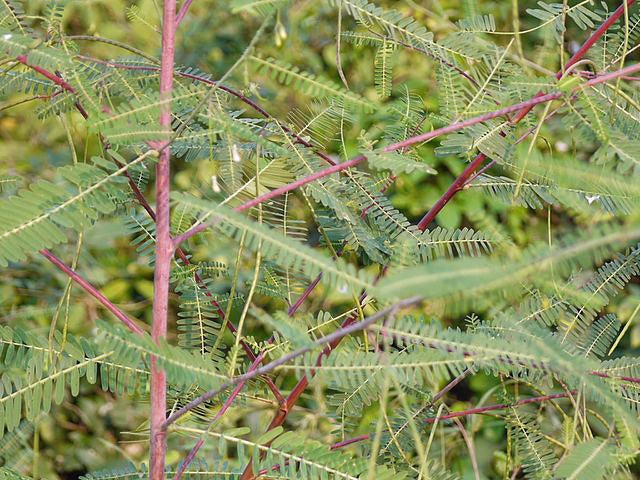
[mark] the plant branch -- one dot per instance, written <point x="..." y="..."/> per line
<point x="500" y="406"/>
<point x="192" y="454"/>
<point x="47" y="74"/>
<point x="302" y="384"/>
<point x="454" y="188"/>
<point x="183" y="11"/>
<point x="164" y="250"/>
<point x="271" y="194"/>
<point x="600" y="31"/>
<point x="473" y="121"/>
<point x="91" y="290"/>
<point x="332" y="338"/>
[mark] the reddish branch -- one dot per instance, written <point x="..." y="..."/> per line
<point x="165" y="245"/>
<point x="477" y="162"/>
<point x="326" y="340"/>
<point x="274" y="193"/>
<point x="194" y="451"/>
<point x="164" y="250"/>
<point x="91" y="290"/>
<point x="45" y="73"/>
<point x="183" y="11"/>
<point x="601" y="30"/>
<point x="463" y="413"/>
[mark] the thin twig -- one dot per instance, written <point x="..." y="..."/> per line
<point x="183" y="11"/>
<point x="91" y="290"/>
<point x="273" y="193"/>
<point x="192" y="454"/>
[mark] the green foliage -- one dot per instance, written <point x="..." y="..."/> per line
<point x="34" y="218"/>
<point x="525" y="284"/>
<point x="588" y="460"/>
<point x="283" y="251"/>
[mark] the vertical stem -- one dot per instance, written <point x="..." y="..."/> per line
<point x="164" y="252"/>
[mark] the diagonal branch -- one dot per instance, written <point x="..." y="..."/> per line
<point x="183" y="11"/>
<point x="192" y="454"/>
<point x="326" y="340"/>
<point x="273" y="193"/>
<point x="91" y="290"/>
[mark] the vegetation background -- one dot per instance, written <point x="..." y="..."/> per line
<point x="94" y="430"/>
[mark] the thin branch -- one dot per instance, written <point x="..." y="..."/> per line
<point x="338" y="56"/>
<point x="597" y="34"/>
<point x="454" y="188"/>
<point x="224" y="88"/>
<point x="610" y="76"/>
<point x="500" y="406"/>
<point x="470" y="448"/>
<point x="183" y="11"/>
<point x="302" y="384"/>
<point x="463" y="413"/>
<point x="47" y="74"/>
<point x="451" y="385"/>
<point x="108" y="41"/>
<point x="91" y="290"/>
<point x="194" y="451"/>
<point x="326" y="340"/>
<point x="273" y="193"/>
<point x="473" y="121"/>
<point x="600" y="31"/>
<point x="460" y="182"/>
<point x="350" y="441"/>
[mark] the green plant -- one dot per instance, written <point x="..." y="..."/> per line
<point x="277" y="268"/>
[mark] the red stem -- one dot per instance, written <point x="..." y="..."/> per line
<point x="455" y="187"/>
<point x="350" y="441"/>
<point x="91" y="290"/>
<point x="600" y="31"/>
<point x="472" y="121"/>
<point x="164" y="251"/>
<point x="595" y="36"/>
<point x="302" y="384"/>
<point x="183" y="11"/>
<point x="45" y="73"/>
<point x="275" y="193"/>
<point x="500" y="406"/>
<point x="463" y="413"/>
<point x="192" y="454"/>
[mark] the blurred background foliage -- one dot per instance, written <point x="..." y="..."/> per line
<point x="88" y="432"/>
